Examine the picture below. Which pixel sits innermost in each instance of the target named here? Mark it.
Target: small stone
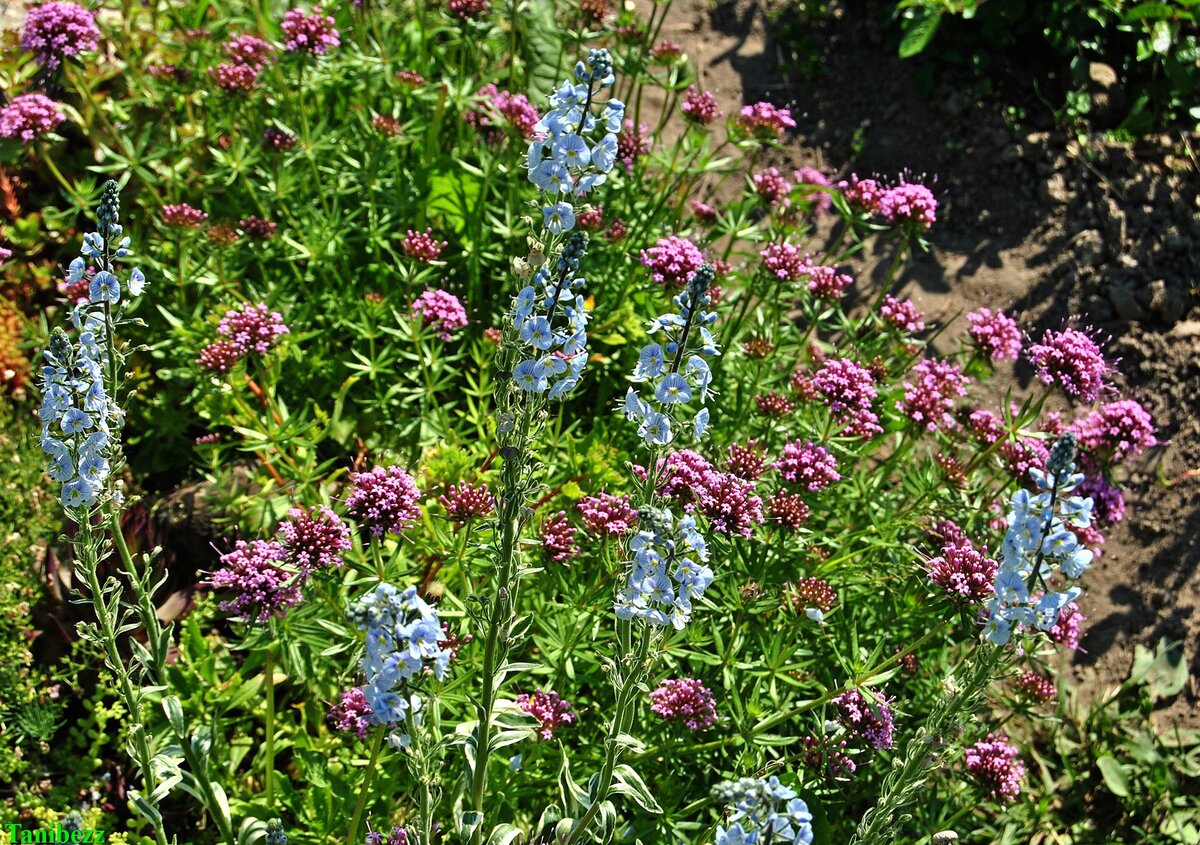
(1116, 228)
(1054, 190)
(1169, 303)
(1088, 248)
(1108, 100)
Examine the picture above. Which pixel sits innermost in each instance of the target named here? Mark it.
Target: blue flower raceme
(81, 420)
(1040, 544)
(404, 638)
(670, 569)
(762, 811)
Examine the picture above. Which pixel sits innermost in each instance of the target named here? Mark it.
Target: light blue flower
(104, 287)
(700, 424)
(650, 363)
(137, 282)
(552, 176)
(673, 390)
(77, 493)
(76, 270)
(558, 218)
(604, 154)
(536, 332)
(526, 375)
(524, 303)
(571, 151)
(656, 429)
(75, 421)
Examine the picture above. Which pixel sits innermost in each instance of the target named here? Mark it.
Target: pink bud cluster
(995, 333)
(672, 261)
(440, 310)
(606, 515)
(548, 708)
(996, 764)
(422, 246)
(384, 500)
(929, 397)
(685, 700)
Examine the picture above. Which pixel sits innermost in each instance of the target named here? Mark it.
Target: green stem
(269, 677)
(361, 803)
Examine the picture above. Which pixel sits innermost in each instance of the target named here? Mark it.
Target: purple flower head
(929, 398)
(309, 32)
(633, 142)
(440, 310)
(549, 709)
(30, 116)
(219, 357)
(868, 718)
(864, 194)
(277, 140)
(729, 504)
(849, 391)
(685, 700)
(811, 594)
(55, 31)
(995, 333)
(902, 315)
(422, 246)
(785, 261)
(1117, 430)
(234, 78)
(771, 186)
(1037, 687)
(765, 121)
(1073, 360)
(314, 538)
(700, 107)
(258, 228)
(1069, 627)
(182, 216)
(558, 538)
(351, 714)
(606, 515)
(825, 282)
(249, 50)
(468, 10)
(261, 587)
(966, 573)
(1108, 503)
(464, 502)
(672, 261)
(808, 465)
(908, 202)
(384, 500)
(788, 510)
(254, 328)
(996, 764)
(747, 461)
(513, 109)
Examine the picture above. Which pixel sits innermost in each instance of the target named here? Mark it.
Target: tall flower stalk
(541, 358)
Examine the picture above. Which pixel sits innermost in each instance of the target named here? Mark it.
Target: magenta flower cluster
(558, 538)
(466, 501)
(1069, 627)
(549, 708)
(902, 315)
(309, 32)
(633, 142)
(351, 714)
(55, 31)
(607, 515)
(929, 397)
(1036, 686)
(821, 200)
(1117, 430)
(515, 109)
(909, 202)
(422, 246)
(314, 538)
(183, 216)
(867, 718)
(672, 261)
(785, 261)
(700, 107)
(1073, 360)
(254, 572)
(765, 120)
(995, 333)
(748, 461)
(467, 10)
(996, 765)
(849, 391)
(807, 465)
(29, 116)
(771, 186)
(685, 700)
(726, 500)
(384, 500)
(825, 282)
(440, 310)
(966, 573)
(252, 328)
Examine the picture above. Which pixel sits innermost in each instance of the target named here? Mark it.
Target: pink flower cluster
(183, 216)
(929, 398)
(909, 202)
(749, 461)
(672, 261)
(558, 538)
(29, 116)
(825, 282)
(1073, 360)
(249, 50)
(785, 261)
(351, 714)
(1069, 627)
(996, 764)
(902, 315)
(849, 391)
(1035, 686)
(253, 328)
(704, 212)
(995, 333)
(685, 700)
(1108, 502)
(868, 718)
(966, 573)
(234, 78)
(548, 708)
(258, 228)
(774, 405)
(789, 510)
(606, 515)
(312, 32)
(811, 594)
(55, 31)
(633, 142)
(219, 357)
(314, 538)
(666, 52)
(468, 10)
(821, 201)
(440, 310)
(807, 465)
(277, 140)
(466, 501)
(254, 573)
(725, 499)
(771, 186)
(764, 120)
(1117, 430)
(384, 500)
(700, 107)
(422, 246)
(514, 108)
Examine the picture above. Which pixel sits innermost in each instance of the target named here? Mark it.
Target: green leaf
(919, 33)
(628, 782)
(1114, 776)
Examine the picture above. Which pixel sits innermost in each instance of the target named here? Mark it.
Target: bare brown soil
(1033, 223)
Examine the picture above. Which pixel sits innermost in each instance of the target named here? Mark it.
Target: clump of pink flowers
(666, 51)
(812, 596)
(929, 397)
(774, 405)
(514, 108)
(258, 228)
(908, 202)
(996, 764)
(729, 504)
(771, 186)
(704, 213)
(825, 282)
(254, 573)
(309, 32)
(685, 700)
(277, 140)
(607, 515)
(252, 328)
(821, 200)
(55, 31)
(868, 718)
(384, 500)
(351, 714)
(849, 391)
(1069, 627)
(440, 310)
(466, 501)
(700, 107)
(548, 708)
(468, 10)
(1036, 686)
(422, 246)
(789, 510)
(314, 538)
(966, 573)
(765, 120)
(558, 538)
(807, 465)
(902, 315)
(183, 215)
(672, 261)
(219, 357)
(785, 261)
(995, 333)
(249, 50)
(234, 78)
(747, 461)
(1073, 360)
(30, 116)
(1116, 430)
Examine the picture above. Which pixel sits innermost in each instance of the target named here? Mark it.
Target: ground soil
(1033, 222)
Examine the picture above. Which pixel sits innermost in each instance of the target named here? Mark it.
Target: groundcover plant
(563, 481)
